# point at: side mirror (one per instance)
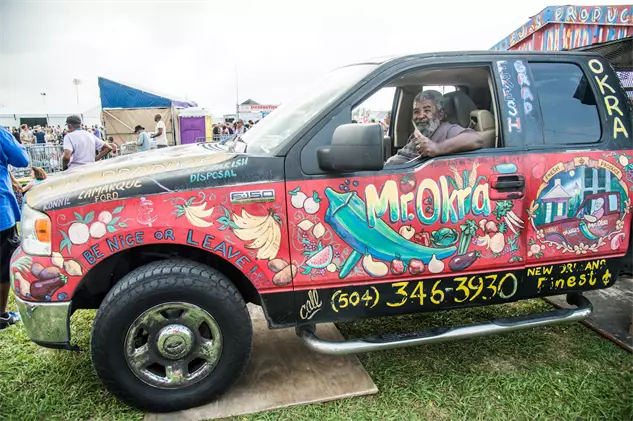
(355, 147)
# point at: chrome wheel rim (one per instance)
(173, 345)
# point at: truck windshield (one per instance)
(275, 129)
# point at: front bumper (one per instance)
(47, 324)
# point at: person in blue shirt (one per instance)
(11, 153)
(40, 136)
(143, 140)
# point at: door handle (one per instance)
(508, 183)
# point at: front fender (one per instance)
(223, 247)
(247, 236)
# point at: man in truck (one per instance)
(433, 135)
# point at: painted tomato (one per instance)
(407, 184)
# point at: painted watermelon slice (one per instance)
(321, 258)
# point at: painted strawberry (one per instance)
(397, 267)
(407, 184)
(416, 267)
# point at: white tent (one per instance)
(12, 116)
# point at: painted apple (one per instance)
(407, 232)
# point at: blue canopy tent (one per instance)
(125, 107)
(118, 95)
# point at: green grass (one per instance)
(563, 372)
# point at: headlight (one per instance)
(36, 232)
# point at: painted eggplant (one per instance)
(42, 289)
(347, 216)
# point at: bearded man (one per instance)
(433, 136)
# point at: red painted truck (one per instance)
(301, 217)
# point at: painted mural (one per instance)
(407, 225)
(566, 27)
(580, 207)
(447, 222)
(249, 237)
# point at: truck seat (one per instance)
(388, 146)
(457, 108)
(484, 125)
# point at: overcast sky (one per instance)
(192, 49)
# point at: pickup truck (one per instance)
(301, 217)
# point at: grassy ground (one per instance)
(558, 373)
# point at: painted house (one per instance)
(557, 28)
(556, 202)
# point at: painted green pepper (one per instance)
(347, 216)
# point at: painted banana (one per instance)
(196, 214)
(247, 220)
(347, 215)
(263, 232)
(200, 210)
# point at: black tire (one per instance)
(158, 283)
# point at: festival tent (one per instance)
(196, 125)
(124, 107)
(52, 115)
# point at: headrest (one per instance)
(457, 108)
(483, 120)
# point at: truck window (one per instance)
(568, 105)
(468, 103)
(614, 205)
(444, 89)
(375, 109)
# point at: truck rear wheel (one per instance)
(171, 335)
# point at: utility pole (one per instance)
(237, 94)
(77, 82)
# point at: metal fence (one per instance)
(215, 138)
(128, 148)
(47, 156)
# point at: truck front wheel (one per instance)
(171, 335)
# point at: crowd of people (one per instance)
(47, 134)
(237, 127)
(384, 124)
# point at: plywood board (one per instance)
(120, 123)
(282, 373)
(612, 311)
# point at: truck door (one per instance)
(580, 177)
(434, 233)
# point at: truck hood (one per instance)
(150, 164)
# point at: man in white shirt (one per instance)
(160, 134)
(80, 147)
(26, 136)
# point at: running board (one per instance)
(445, 334)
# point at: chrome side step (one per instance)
(444, 334)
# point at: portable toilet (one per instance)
(196, 125)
